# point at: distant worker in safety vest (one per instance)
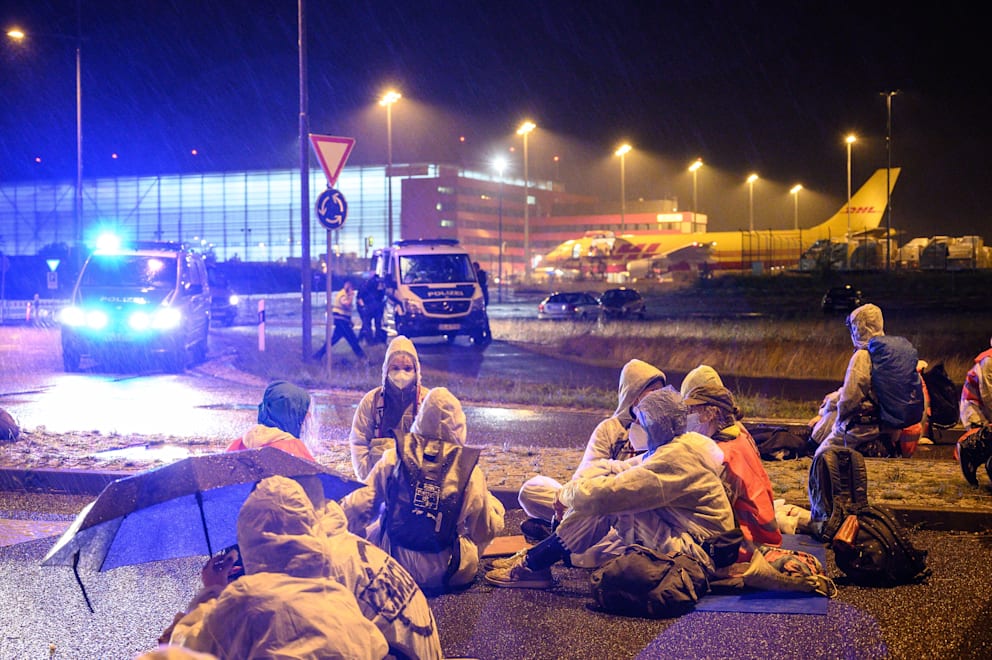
(341, 310)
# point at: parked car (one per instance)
(575, 305)
(841, 299)
(622, 303)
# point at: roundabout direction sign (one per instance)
(332, 209)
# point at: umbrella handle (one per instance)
(75, 571)
(203, 521)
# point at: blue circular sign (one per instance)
(332, 209)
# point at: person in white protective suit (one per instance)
(975, 407)
(670, 499)
(311, 589)
(848, 416)
(391, 406)
(480, 520)
(617, 437)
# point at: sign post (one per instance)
(332, 210)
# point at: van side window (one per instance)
(192, 276)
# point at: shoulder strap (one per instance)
(378, 406)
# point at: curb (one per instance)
(91, 483)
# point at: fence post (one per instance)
(261, 325)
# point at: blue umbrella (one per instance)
(187, 508)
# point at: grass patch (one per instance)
(779, 333)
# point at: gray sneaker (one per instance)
(519, 576)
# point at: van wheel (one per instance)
(175, 359)
(482, 338)
(200, 352)
(70, 360)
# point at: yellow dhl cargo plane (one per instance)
(599, 252)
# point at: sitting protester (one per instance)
(714, 413)
(617, 437)
(309, 588)
(974, 447)
(285, 605)
(976, 394)
(437, 539)
(284, 422)
(879, 410)
(670, 499)
(388, 408)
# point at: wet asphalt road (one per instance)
(947, 617)
(950, 616)
(215, 400)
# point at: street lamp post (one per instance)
(795, 205)
(387, 100)
(77, 211)
(524, 130)
(622, 151)
(500, 165)
(304, 131)
(694, 168)
(888, 173)
(850, 139)
(750, 201)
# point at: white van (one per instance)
(150, 298)
(431, 290)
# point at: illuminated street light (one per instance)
(888, 173)
(694, 168)
(850, 139)
(387, 100)
(524, 130)
(794, 191)
(19, 35)
(622, 151)
(750, 201)
(499, 164)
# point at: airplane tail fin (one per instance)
(867, 206)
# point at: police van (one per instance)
(149, 299)
(431, 290)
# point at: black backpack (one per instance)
(838, 484)
(425, 492)
(873, 548)
(944, 396)
(895, 381)
(879, 551)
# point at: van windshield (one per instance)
(436, 269)
(130, 271)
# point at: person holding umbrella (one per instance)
(284, 422)
(307, 581)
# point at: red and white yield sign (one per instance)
(332, 152)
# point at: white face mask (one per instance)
(692, 423)
(401, 379)
(638, 437)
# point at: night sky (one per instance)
(767, 87)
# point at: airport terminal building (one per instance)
(255, 215)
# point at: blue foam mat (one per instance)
(773, 602)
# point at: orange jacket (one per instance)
(751, 489)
